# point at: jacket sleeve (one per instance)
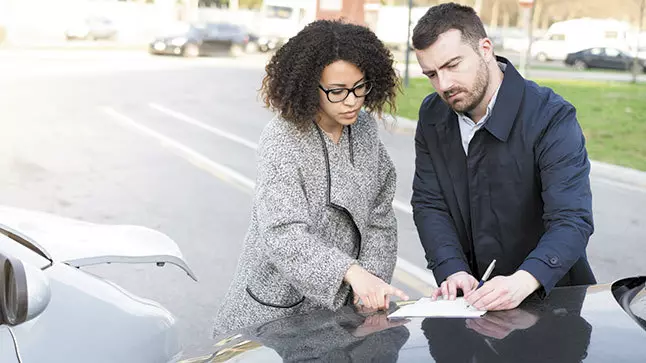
(564, 169)
(431, 215)
(315, 269)
(379, 246)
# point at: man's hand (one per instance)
(503, 292)
(459, 280)
(500, 324)
(371, 290)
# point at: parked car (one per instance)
(93, 28)
(193, 40)
(605, 58)
(596, 323)
(54, 311)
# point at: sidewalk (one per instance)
(623, 176)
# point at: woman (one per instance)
(323, 230)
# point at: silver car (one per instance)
(54, 311)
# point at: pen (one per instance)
(487, 274)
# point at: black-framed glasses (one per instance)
(336, 95)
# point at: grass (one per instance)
(612, 115)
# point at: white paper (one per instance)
(440, 308)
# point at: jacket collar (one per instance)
(505, 109)
(508, 102)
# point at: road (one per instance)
(168, 143)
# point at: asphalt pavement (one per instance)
(169, 143)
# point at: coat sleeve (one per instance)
(564, 169)
(379, 246)
(431, 215)
(315, 269)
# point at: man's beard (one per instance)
(471, 99)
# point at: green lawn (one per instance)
(612, 115)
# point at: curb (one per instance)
(631, 178)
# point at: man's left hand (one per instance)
(503, 292)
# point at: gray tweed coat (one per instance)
(319, 207)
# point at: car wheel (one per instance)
(580, 65)
(542, 57)
(191, 51)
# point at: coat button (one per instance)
(554, 260)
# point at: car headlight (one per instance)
(178, 42)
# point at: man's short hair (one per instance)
(444, 17)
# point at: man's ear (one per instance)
(485, 46)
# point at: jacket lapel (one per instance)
(450, 145)
(344, 189)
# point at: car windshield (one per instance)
(280, 12)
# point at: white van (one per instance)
(577, 34)
(280, 20)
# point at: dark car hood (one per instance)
(573, 324)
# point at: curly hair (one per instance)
(290, 87)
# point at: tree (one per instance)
(636, 67)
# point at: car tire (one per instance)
(580, 65)
(191, 51)
(542, 57)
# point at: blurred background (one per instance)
(147, 113)
(558, 26)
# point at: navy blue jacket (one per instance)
(522, 196)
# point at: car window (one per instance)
(13, 248)
(557, 37)
(228, 29)
(596, 51)
(611, 34)
(280, 12)
(213, 30)
(611, 52)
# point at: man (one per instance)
(502, 171)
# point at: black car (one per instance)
(605, 58)
(193, 40)
(596, 323)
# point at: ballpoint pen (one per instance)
(487, 274)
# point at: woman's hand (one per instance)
(376, 323)
(371, 290)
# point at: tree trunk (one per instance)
(478, 7)
(495, 14)
(538, 11)
(636, 68)
(506, 19)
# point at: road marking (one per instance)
(401, 206)
(231, 176)
(619, 185)
(218, 170)
(189, 120)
